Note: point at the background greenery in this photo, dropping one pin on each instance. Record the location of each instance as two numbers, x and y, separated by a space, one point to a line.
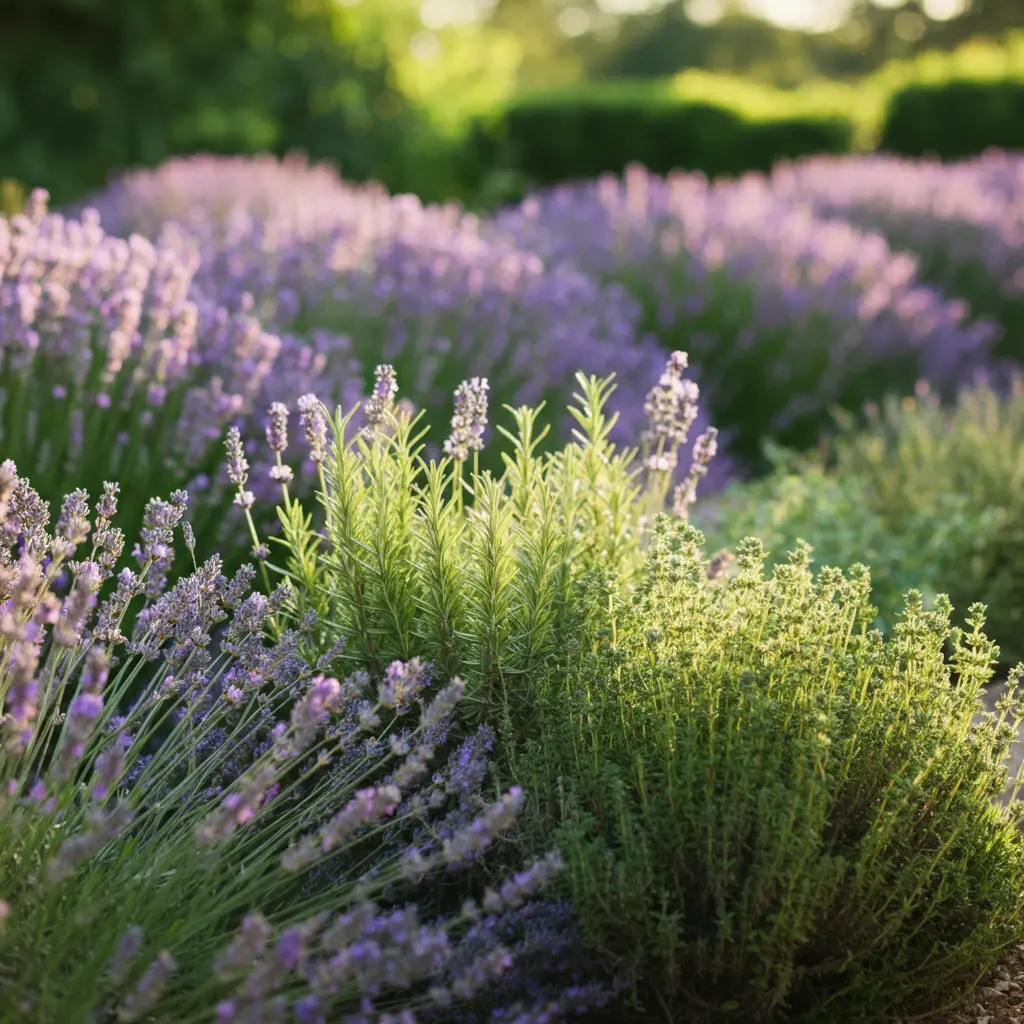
422 97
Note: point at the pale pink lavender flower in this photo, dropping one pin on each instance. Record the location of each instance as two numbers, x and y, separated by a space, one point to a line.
704 450
381 400
149 989
314 425
469 419
671 409
403 681
237 464
109 767
277 428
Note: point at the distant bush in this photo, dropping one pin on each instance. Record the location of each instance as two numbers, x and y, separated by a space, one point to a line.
954 119
572 135
964 222
933 497
784 313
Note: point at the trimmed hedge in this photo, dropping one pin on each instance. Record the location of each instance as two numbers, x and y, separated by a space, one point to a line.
557 137
90 89
954 119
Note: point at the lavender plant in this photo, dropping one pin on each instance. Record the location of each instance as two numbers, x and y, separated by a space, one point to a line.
114 364
196 825
963 222
931 494
784 313
357 273
768 811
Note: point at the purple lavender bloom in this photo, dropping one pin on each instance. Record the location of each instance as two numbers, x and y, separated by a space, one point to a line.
403 681
469 419
144 803
381 400
784 313
102 331
314 426
963 222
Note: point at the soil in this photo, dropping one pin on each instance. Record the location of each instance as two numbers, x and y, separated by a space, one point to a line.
999 999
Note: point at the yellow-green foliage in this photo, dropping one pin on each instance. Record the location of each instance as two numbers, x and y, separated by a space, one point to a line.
470 571
769 812
812 106
932 496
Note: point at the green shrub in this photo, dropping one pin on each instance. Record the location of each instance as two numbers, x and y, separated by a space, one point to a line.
557 137
768 811
955 118
932 497
473 570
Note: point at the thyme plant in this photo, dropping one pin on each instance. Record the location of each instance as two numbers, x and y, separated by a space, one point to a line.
769 811
930 494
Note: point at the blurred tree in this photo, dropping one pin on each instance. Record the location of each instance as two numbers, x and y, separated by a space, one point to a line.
667 41
89 87
549 56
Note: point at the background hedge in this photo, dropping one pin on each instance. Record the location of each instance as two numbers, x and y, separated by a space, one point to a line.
956 118
91 87
547 138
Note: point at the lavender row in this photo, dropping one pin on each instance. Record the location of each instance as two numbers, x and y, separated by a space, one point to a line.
427 289
964 222
197 824
784 312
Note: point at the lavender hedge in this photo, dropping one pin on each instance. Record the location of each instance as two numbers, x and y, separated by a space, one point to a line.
963 222
784 313
116 363
356 272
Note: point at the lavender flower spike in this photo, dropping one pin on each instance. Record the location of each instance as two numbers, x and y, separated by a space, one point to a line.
149 989
238 465
238 468
469 419
379 403
671 408
277 428
311 416
704 450
128 947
